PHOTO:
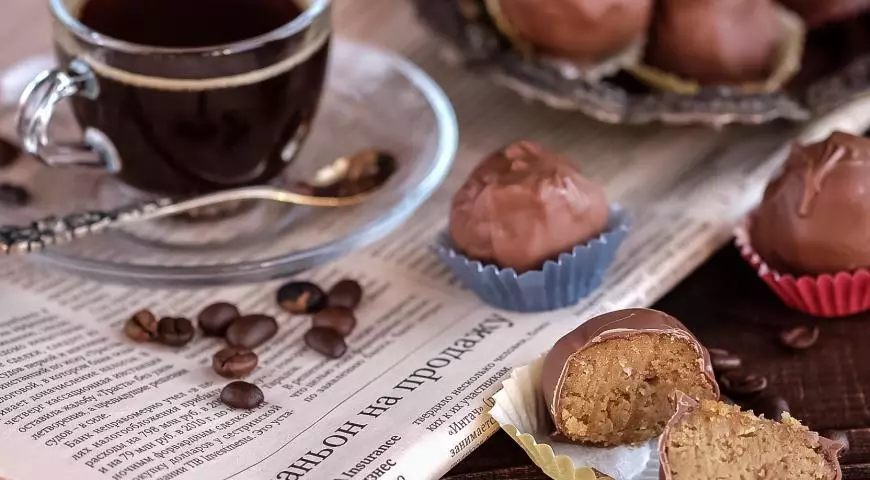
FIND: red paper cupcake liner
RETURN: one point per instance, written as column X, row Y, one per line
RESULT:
column 828, row 295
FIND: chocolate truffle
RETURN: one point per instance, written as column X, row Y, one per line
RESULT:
column 524, row 205
column 610, row 381
column 817, row 13
column 579, row 29
column 715, row 42
column 815, row 215
column 715, row 440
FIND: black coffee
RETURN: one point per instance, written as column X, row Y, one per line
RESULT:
column 186, row 23
column 191, row 123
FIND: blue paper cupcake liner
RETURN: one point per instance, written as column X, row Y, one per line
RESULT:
column 559, row 283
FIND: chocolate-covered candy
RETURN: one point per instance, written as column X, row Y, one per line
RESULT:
column 234, row 362
column 216, row 318
column 346, row 293
column 340, row 319
column 240, row 394
column 585, row 30
column 141, row 327
column 301, row 298
column 251, row 331
column 326, row 341
column 524, row 205
column 815, row 215
column 817, row 13
column 643, row 354
column 174, row 331
column 715, row 42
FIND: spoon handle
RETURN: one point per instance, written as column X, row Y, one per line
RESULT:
column 55, row 230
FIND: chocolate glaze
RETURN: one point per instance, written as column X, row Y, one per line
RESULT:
column 524, row 205
column 686, row 404
column 817, row 13
column 815, row 215
column 579, row 29
column 617, row 324
column 715, row 42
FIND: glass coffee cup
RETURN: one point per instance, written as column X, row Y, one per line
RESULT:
column 181, row 97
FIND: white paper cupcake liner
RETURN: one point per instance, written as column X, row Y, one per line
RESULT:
column 521, row 412
column 558, row 284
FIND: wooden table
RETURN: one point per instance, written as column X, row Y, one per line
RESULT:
column 727, row 306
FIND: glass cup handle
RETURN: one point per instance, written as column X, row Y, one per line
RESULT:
column 36, row 109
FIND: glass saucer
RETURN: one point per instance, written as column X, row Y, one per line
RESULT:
column 373, row 99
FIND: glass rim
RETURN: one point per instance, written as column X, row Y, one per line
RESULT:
column 314, row 10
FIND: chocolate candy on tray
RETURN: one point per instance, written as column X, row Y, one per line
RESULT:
column 700, row 61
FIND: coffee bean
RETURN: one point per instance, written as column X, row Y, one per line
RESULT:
column 9, row 152
column 217, row 317
column 346, row 293
column 838, row 436
column 251, row 331
column 13, row 195
column 799, row 338
column 771, row 406
column 740, row 382
column 141, row 327
column 326, row 341
column 232, row 362
column 174, row 331
column 300, row 298
column 723, row 360
column 339, row 319
column 241, row 394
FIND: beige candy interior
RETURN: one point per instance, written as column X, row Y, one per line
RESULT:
column 719, row 441
column 618, row 391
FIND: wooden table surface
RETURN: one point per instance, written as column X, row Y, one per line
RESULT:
column 724, row 303
column 727, row 306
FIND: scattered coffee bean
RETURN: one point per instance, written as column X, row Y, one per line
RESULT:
column 241, row 394
column 13, row 195
column 9, row 152
column 300, row 298
column 838, row 436
column 251, row 331
column 723, row 360
column 339, row 319
column 740, row 382
column 800, row 338
column 217, row 317
column 326, row 341
column 771, row 406
column 141, row 327
column 174, row 331
column 346, row 293
column 232, row 362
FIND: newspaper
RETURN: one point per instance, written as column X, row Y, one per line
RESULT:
column 409, row 399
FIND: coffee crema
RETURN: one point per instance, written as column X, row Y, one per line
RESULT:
column 194, row 122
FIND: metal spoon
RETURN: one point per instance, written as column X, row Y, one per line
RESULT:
column 58, row 230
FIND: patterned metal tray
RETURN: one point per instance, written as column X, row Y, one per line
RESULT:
column 835, row 69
